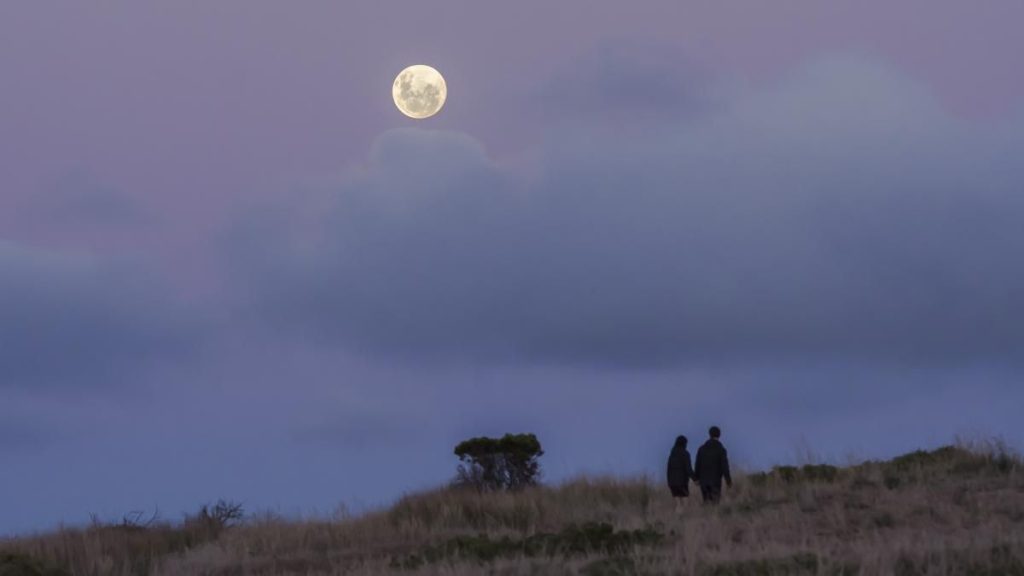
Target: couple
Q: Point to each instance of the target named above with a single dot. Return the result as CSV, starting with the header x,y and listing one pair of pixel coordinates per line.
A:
x,y
711,468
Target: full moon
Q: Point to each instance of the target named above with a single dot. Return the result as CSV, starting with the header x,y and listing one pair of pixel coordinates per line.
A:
x,y
419,91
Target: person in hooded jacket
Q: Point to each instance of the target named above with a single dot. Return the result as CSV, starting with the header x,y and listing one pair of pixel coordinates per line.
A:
x,y
680,471
711,467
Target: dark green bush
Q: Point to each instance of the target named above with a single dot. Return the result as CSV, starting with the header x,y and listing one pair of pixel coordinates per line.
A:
x,y
791,474
787,474
908,468
820,473
14,564
758,478
923,458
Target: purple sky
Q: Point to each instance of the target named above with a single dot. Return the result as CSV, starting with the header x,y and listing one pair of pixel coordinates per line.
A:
x,y
229,267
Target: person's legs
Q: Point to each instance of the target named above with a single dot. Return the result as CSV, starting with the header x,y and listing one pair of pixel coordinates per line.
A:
x,y
710,493
714,493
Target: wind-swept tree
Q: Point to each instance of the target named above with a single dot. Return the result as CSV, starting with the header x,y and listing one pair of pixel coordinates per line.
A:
x,y
506,463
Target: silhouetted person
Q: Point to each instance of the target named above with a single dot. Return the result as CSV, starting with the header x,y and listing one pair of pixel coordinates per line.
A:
x,y
680,472
711,467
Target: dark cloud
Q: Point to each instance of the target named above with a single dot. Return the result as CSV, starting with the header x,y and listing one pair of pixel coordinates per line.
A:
x,y
74,320
840,214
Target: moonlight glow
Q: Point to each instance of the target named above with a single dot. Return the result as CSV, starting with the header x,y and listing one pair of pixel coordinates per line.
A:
x,y
419,91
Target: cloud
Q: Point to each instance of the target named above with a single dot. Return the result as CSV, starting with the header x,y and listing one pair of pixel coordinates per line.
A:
x,y
74,320
838,215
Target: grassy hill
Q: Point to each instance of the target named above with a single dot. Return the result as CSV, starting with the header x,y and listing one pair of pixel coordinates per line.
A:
x,y
955,510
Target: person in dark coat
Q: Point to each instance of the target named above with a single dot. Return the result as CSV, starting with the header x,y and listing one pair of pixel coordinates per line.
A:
x,y
712,467
680,472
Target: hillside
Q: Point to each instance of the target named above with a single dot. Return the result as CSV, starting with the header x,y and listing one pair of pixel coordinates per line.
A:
x,y
954,510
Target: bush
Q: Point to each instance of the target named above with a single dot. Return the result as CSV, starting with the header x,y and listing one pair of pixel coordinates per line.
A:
x,y
758,479
208,523
14,564
990,457
923,458
791,474
508,463
820,473
787,474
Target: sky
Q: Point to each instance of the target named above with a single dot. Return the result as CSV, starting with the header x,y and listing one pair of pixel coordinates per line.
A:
x,y
230,268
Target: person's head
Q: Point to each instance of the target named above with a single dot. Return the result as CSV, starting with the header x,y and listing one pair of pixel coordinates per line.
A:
x,y
714,432
681,441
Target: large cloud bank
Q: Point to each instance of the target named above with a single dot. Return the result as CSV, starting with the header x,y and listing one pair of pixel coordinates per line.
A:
x,y
840,214
77,320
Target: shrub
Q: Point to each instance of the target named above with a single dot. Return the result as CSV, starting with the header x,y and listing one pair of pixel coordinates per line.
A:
x,y
923,458
14,564
506,463
208,523
992,457
820,473
786,473
758,479
825,473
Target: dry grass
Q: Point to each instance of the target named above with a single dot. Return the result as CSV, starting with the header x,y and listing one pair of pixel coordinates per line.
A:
x,y
956,510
